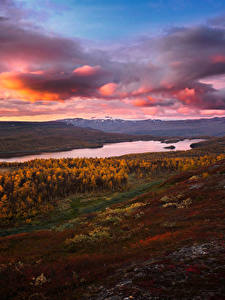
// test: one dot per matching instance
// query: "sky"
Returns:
(158, 59)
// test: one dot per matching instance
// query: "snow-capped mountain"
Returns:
(191, 127)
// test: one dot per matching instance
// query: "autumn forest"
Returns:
(34, 187)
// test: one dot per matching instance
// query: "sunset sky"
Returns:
(124, 58)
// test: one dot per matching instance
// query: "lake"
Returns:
(115, 149)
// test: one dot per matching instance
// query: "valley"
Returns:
(27, 138)
(100, 228)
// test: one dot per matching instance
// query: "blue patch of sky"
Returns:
(113, 20)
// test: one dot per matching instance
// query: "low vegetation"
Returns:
(96, 228)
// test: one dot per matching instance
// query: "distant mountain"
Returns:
(184, 128)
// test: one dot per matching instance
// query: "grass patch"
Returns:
(81, 205)
(119, 197)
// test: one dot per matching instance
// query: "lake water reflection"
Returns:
(108, 150)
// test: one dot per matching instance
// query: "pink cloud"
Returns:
(187, 95)
(141, 102)
(86, 70)
(219, 58)
(108, 89)
(143, 89)
(218, 82)
(212, 112)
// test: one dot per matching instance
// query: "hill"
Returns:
(141, 226)
(183, 128)
(20, 138)
(215, 145)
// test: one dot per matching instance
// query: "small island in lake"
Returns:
(172, 147)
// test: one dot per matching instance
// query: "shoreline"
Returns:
(11, 154)
(17, 154)
(36, 152)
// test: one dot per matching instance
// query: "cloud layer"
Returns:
(175, 73)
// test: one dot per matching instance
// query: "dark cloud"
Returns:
(184, 57)
(2, 19)
(37, 49)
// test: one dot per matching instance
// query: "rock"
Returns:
(159, 277)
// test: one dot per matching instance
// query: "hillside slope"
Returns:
(18, 138)
(167, 243)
